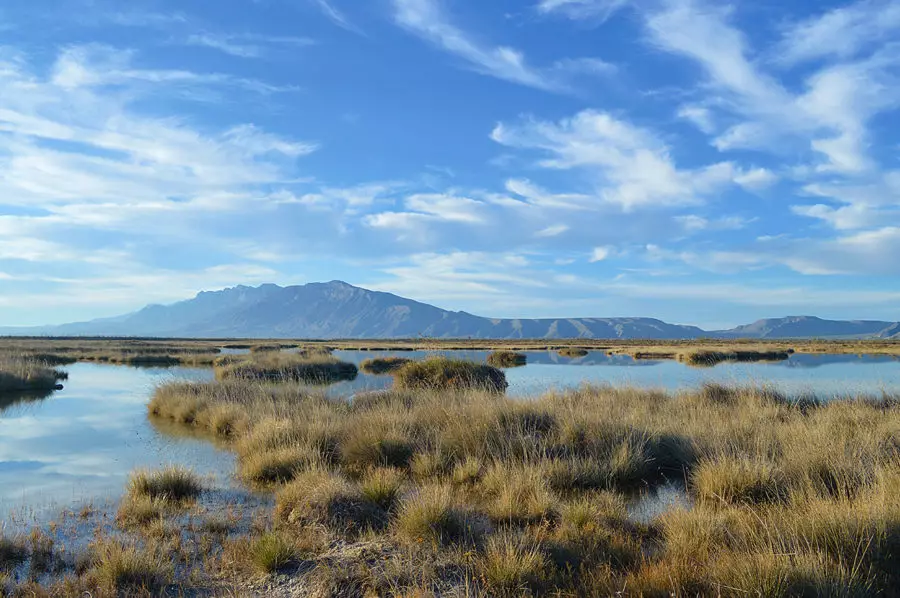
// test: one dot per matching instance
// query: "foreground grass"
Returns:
(493, 496)
(25, 374)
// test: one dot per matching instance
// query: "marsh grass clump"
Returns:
(573, 352)
(13, 552)
(313, 351)
(381, 486)
(711, 358)
(172, 484)
(383, 365)
(265, 348)
(441, 373)
(127, 569)
(320, 497)
(25, 374)
(277, 466)
(137, 511)
(287, 367)
(473, 490)
(431, 515)
(272, 552)
(507, 359)
(512, 565)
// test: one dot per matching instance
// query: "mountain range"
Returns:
(339, 310)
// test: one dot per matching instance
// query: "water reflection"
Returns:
(824, 375)
(80, 444)
(11, 400)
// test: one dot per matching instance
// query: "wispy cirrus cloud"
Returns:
(590, 10)
(335, 15)
(246, 45)
(849, 79)
(427, 19)
(842, 33)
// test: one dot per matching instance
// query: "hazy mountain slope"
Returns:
(339, 310)
(812, 327)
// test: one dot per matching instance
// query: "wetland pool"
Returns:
(77, 446)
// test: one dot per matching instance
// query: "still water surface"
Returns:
(823, 375)
(79, 445)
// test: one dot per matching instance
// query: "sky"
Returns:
(691, 160)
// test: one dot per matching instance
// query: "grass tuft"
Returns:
(573, 352)
(173, 484)
(507, 359)
(272, 552)
(383, 365)
(127, 569)
(440, 373)
(430, 515)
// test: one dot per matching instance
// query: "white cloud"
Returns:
(427, 19)
(244, 45)
(596, 10)
(553, 230)
(97, 65)
(536, 196)
(756, 179)
(335, 15)
(632, 167)
(839, 33)
(430, 207)
(693, 223)
(601, 253)
(460, 275)
(701, 117)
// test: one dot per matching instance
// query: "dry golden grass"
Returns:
(24, 374)
(496, 496)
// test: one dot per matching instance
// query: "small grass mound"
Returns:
(440, 373)
(320, 497)
(711, 358)
(278, 466)
(382, 485)
(172, 484)
(25, 374)
(272, 552)
(140, 511)
(512, 566)
(383, 365)
(12, 553)
(265, 348)
(735, 480)
(127, 569)
(290, 368)
(507, 359)
(430, 515)
(573, 352)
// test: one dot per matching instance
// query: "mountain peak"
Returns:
(337, 309)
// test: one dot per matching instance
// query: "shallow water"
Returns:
(78, 445)
(823, 375)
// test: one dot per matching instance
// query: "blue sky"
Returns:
(690, 160)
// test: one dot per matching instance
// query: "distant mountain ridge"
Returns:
(339, 310)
